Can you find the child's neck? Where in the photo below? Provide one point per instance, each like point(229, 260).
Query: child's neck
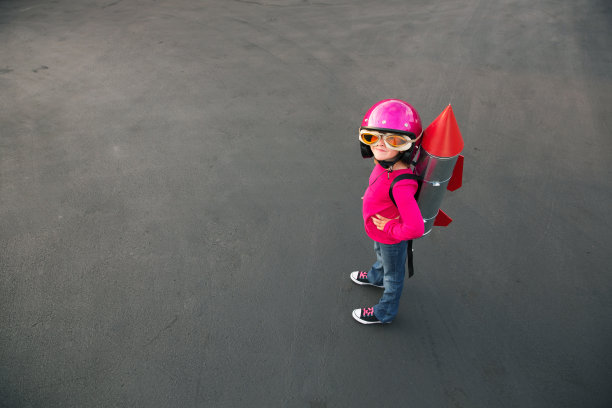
point(400, 165)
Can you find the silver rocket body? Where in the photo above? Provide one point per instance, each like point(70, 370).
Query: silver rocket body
point(436, 172)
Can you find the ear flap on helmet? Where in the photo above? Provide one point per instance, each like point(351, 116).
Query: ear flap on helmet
point(366, 151)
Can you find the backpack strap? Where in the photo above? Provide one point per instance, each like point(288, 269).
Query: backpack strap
point(400, 178)
point(409, 256)
point(409, 259)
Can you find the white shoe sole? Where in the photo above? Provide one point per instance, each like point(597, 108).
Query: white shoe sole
point(356, 316)
point(354, 279)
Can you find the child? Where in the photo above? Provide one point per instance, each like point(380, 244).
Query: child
point(388, 133)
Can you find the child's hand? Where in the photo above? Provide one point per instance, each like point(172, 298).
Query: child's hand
point(381, 221)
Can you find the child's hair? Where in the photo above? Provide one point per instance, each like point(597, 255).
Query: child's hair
point(407, 155)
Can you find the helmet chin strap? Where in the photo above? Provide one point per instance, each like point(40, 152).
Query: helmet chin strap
point(388, 164)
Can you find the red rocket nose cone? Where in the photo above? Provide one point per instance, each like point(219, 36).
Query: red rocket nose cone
point(442, 137)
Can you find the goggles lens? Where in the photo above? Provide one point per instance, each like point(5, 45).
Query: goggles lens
point(369, 138)
point(396, 140)
point(392, 140)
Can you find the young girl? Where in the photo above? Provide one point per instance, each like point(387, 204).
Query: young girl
point(388, 133)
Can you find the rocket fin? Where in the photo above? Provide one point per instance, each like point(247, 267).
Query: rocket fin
point(456, 180)
point(442, 220)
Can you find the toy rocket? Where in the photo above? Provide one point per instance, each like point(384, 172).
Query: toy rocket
point(440, 165)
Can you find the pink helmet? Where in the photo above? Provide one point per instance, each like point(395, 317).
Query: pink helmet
point(391, 115)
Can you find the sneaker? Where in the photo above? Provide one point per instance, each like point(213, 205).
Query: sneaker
point(365, 316)
point(361, 278)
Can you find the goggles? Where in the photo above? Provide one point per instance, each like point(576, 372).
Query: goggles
point(393, 141)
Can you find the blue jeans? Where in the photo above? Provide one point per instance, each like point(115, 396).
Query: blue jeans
point(388, 270)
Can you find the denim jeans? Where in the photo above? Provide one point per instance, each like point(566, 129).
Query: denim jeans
point(388, 270)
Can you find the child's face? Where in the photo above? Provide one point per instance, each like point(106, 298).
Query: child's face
point(382, 152)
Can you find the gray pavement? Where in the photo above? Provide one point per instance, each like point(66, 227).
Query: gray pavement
point(180, 188)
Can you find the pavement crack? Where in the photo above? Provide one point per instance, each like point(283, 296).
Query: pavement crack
point(159, 333)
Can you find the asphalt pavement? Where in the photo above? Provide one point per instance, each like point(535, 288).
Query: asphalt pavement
point(180, 208)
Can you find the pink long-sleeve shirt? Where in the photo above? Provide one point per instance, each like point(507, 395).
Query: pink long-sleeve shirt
point(376, 200)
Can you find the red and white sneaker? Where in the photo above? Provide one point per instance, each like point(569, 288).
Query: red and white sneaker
point(365, 316)
point(361, 278)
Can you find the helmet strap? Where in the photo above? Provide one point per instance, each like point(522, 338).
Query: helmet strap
point(388, 164)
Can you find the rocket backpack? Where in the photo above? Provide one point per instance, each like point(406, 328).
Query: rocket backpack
point(438, 166)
